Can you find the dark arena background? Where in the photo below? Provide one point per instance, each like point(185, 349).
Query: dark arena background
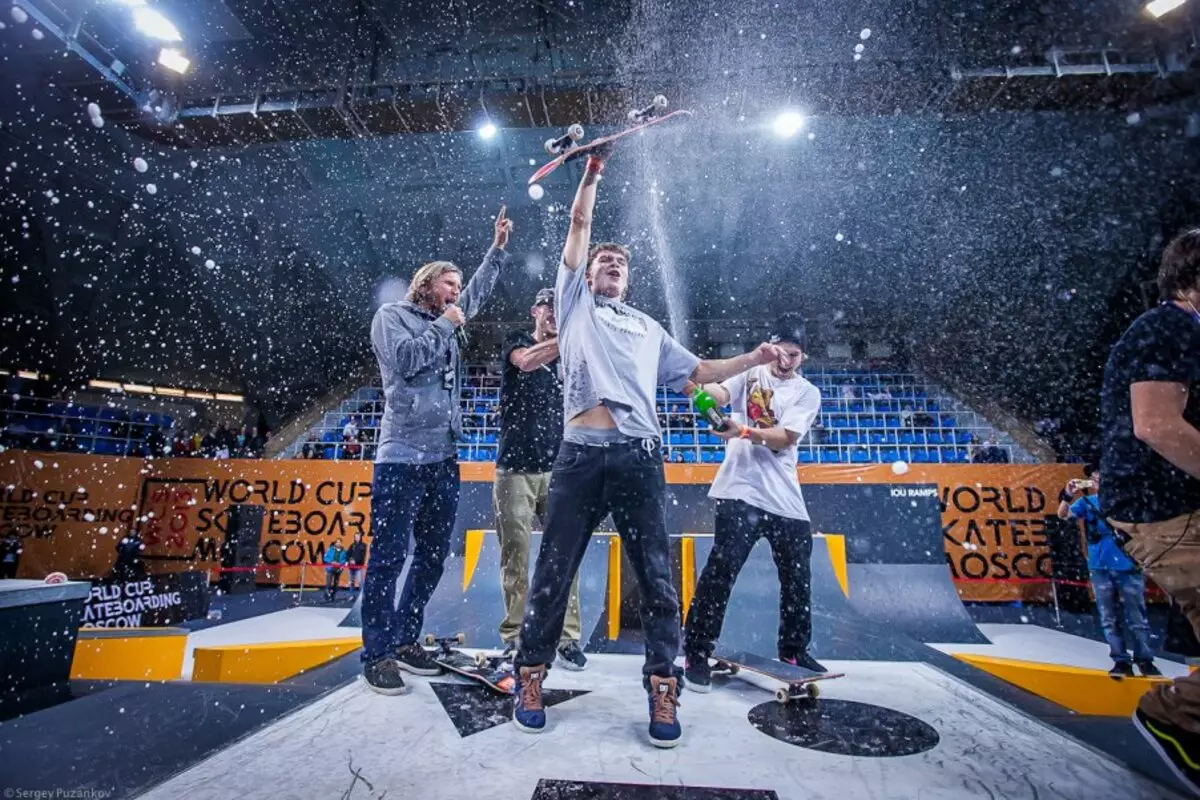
point(205, 202)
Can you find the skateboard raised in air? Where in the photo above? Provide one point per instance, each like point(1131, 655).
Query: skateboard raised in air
point(481, 667)
point(565, 147)
point(787, 681)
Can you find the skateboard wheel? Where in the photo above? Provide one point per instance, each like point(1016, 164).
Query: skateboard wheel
point(575, 132)
point(660, 101)
point(460, 637)
point(814, 691)
point(551, 147)
point(782, 695)
point(480, 658)
point(429, 640)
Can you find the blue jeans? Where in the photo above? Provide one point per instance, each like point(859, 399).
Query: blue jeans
point(1117, 592)
point(416, 499)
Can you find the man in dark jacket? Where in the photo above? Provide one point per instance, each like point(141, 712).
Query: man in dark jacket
point(357, 560)
point(10, 555)
point(335, 563)
point(415, 487)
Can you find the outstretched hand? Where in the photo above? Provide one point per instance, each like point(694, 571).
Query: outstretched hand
point(765, 353)
point(504, 228)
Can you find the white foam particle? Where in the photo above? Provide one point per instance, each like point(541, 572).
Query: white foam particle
point(536, 192)
point(140, 164)
point(864, 34)
point(38, 34)
point(210, 264)
point(899, 467)
point(195, 250)
point(19, 15)
point(858, 48)
point(839, 236)
point(93, 110)
point(152, 188)
point(98, 122)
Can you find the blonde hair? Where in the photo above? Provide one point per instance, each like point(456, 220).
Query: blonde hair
point(424, 277)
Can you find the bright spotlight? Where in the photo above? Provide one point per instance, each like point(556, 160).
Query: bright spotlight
point(788, 124)
point(1156, 8)
point(171, 58)
point(487, 130)
point(155, 25)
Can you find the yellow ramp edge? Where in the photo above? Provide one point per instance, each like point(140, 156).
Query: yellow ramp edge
point(472, 548)
point(836, 544)
point(687, 558)
point(153, 654)
point(1084, 691)
point(614, 587)
point(267, 663)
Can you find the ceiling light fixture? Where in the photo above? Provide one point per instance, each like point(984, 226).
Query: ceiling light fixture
point(1156, 8)
point(155, 25)
point(788, 124)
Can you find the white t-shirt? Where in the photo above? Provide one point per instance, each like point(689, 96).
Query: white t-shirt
point(613, 354)
point(754, 473)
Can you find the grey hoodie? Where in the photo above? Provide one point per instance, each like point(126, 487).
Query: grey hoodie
point(422, 418)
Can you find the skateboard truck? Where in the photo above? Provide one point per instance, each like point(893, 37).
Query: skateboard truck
point(556, 146)
point(659, 103)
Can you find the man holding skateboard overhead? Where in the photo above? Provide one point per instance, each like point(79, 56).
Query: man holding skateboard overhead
point(416, 482)
point(613, 358)
point(758, 495)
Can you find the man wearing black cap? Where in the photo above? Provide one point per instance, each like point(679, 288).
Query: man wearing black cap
point(758, 494)
point(531, 427)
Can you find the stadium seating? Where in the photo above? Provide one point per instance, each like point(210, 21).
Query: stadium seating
point(908, 419)
point(38, 424)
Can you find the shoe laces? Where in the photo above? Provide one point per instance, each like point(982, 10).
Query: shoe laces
point(531, 689)
point(665, 702)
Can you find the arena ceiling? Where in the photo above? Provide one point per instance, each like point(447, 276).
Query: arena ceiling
point(985, 178)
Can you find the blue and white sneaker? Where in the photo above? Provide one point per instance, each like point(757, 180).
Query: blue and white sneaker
point(665, 730)
point(529, 714)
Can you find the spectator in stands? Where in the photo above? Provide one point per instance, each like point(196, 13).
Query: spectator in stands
point(613, 358)
point(10, 555)
point(416, 483)
point(530, 433)
point(1150, 423)
point(906, 416)
point(1118, 583)
point(990, 452)
point(335, 560)
point(350, 431)
point(312, 447)
point(758, 495)
point(356, 558)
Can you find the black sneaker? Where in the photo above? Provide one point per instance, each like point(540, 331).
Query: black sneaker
point(1121, 670)
point(571, 657)
point(697, 674)
point(805, 661)
point(383, 676)
point(417, 660)
point(1148, 669)
point(1179, 748)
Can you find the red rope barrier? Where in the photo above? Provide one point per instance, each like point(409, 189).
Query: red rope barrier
point(1064, 581)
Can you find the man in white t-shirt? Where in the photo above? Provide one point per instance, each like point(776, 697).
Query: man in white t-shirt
point(758, 495)
point(612, 357)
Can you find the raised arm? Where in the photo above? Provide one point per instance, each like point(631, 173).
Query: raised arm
point(480, 287)
point(579, 237)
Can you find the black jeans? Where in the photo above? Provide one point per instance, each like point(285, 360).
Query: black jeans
point(417, 499)
point(739, 526)
point(586, 483)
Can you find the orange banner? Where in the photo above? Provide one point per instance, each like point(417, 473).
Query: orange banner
point(70, 511)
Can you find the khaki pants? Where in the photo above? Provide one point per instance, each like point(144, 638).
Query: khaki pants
point(517, 496)
point(1169, 553)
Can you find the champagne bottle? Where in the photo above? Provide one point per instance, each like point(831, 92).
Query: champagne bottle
point(707, 407)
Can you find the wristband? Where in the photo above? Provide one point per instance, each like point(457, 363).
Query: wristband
point(745, 434)
point(594, 165)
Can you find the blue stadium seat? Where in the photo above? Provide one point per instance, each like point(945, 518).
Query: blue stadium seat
point(964, 437)
point(687, 438)
point(860, 455)
point(932, 405)
point(689, 456)
point(948, 421)
point(805, 457)
point(329, 436)
point(889, 454)
point(891, 421)
point(490, 437)
point(920, 455)
point(845, 437)
point(464, 454)
point(673, 439)
point(708, 456)
point(908, 437)
point(840, 422)
point(933, 437)
point(830, 456)
point(720, 456)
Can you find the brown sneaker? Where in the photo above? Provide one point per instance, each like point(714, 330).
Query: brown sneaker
point(664, 716)
point(528, 712)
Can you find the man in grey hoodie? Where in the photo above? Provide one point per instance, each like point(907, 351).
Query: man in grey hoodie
point(416, 483)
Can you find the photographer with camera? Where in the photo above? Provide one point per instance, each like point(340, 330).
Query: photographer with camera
point(1118, 583)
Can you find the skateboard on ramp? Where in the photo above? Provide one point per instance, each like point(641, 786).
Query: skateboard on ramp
point(566, 148)
point(786, 681)
point(481, 667)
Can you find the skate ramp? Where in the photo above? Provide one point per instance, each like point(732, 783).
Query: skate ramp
point(917, 599)
point(478, 609)
point(839, 632)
